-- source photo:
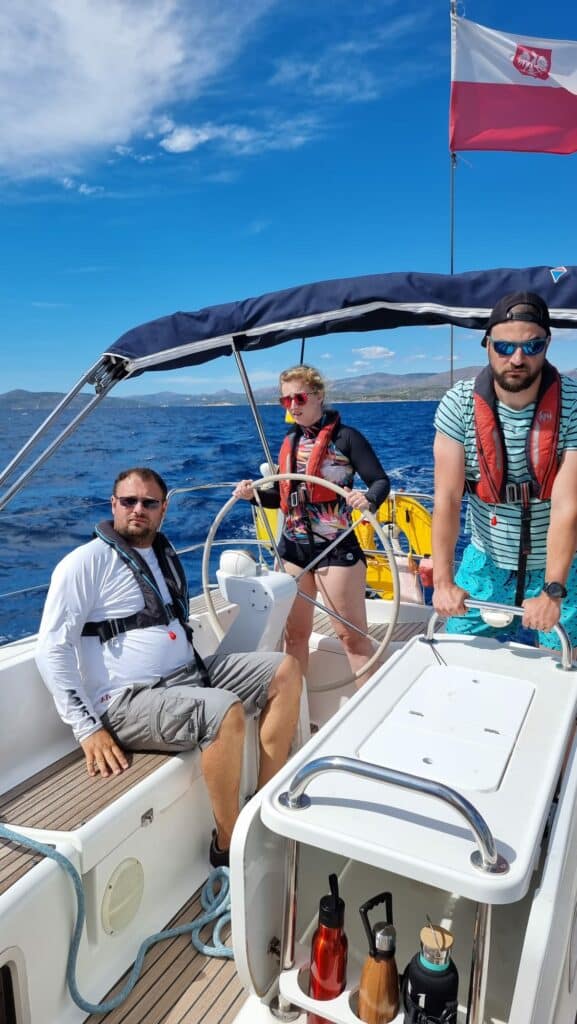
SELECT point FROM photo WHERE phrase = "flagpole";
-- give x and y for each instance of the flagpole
(452, 251)
(453, 13)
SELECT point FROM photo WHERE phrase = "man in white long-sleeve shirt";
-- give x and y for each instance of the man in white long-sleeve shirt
(115, 650)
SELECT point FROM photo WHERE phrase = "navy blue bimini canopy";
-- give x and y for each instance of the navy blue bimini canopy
(372, 303)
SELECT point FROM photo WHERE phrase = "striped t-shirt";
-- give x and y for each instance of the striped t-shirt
(495, 529)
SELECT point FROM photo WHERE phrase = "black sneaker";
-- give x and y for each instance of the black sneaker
(217, 857)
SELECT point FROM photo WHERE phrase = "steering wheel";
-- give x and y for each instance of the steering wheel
(369, 516)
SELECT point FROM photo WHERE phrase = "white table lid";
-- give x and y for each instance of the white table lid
(492, 724)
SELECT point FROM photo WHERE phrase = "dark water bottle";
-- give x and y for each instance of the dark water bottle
(329, 950)
(431, 981)
(379, 985)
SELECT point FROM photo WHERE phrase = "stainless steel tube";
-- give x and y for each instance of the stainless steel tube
(566, 652)
(486, 859)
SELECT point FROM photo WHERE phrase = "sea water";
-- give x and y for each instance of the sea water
(58, 508)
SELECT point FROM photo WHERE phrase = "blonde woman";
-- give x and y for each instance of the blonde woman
(319, 444)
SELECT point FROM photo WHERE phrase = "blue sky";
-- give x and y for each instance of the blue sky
(159, 155)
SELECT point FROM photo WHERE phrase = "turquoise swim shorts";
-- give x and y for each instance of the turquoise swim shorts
(485, 581)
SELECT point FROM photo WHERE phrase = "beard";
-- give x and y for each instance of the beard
(516, 384)
(140, 535)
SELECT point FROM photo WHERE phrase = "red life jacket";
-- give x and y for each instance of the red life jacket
(313, 493)
(540, 446)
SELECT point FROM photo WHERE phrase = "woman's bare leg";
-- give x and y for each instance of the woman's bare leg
(343, 589)
(299, 623)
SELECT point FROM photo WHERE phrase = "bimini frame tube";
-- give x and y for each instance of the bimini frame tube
(253, 406)
(104, 376)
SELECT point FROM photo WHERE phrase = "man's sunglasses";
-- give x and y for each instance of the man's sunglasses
(299, 398)
(133, 502)
(533, 347)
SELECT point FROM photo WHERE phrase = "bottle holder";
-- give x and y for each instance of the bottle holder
(294, 985)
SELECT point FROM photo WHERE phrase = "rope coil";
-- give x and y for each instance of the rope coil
(214, 898)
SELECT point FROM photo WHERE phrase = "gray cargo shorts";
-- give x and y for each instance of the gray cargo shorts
(178, 713)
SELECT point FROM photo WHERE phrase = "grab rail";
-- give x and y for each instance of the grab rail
(566, 650)
(485, 858)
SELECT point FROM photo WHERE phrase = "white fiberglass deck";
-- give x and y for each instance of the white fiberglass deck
(492, 725)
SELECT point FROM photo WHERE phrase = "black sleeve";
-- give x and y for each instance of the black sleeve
(270, 497)
(365, 462)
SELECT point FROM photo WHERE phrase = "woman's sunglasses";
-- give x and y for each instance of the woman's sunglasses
(299, 398)
(533, 347)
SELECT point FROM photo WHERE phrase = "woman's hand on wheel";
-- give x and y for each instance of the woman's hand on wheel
(357, 499)
(244, 489)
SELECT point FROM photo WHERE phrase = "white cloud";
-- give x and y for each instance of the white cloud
(326, 81)
(185, 139)
(341, 72)
(242, 140)
(374, 352)
(326, 355)
(394, 31)
(90, 190)
(79, 76)
(127, 153)
(81, 187)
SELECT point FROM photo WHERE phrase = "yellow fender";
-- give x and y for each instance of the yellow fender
(271, 515)
(408, 517)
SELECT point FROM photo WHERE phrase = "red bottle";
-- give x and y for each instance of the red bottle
(329, 950)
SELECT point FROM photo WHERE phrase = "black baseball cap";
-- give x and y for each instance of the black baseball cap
(525, 306)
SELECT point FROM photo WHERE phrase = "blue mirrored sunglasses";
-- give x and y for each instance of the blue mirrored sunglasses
(533, 347)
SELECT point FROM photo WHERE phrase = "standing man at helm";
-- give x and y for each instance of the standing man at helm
(509, 439)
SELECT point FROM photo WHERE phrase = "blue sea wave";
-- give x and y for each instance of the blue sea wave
(188, 446)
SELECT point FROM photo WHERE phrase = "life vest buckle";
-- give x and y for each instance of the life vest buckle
(519, 494)
(513, 494)
(299, 496)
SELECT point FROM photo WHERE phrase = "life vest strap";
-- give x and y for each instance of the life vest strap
(515, 493)
(524, 541)
(109, 628)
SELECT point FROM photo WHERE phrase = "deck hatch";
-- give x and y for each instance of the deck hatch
(455, 725)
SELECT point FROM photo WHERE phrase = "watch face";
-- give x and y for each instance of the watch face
(555, 590)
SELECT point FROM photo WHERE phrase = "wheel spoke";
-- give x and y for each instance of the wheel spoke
(367, 515)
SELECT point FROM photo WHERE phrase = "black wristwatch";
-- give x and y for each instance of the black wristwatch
(555, 590)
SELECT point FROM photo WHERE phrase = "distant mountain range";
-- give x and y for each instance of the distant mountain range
(371, 387)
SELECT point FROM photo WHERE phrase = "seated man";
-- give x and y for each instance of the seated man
(116, 652)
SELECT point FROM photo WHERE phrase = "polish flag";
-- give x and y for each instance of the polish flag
(511, 92)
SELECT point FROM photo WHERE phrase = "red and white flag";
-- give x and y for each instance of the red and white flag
(511, 92)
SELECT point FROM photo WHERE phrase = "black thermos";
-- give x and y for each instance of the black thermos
(431, 981)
